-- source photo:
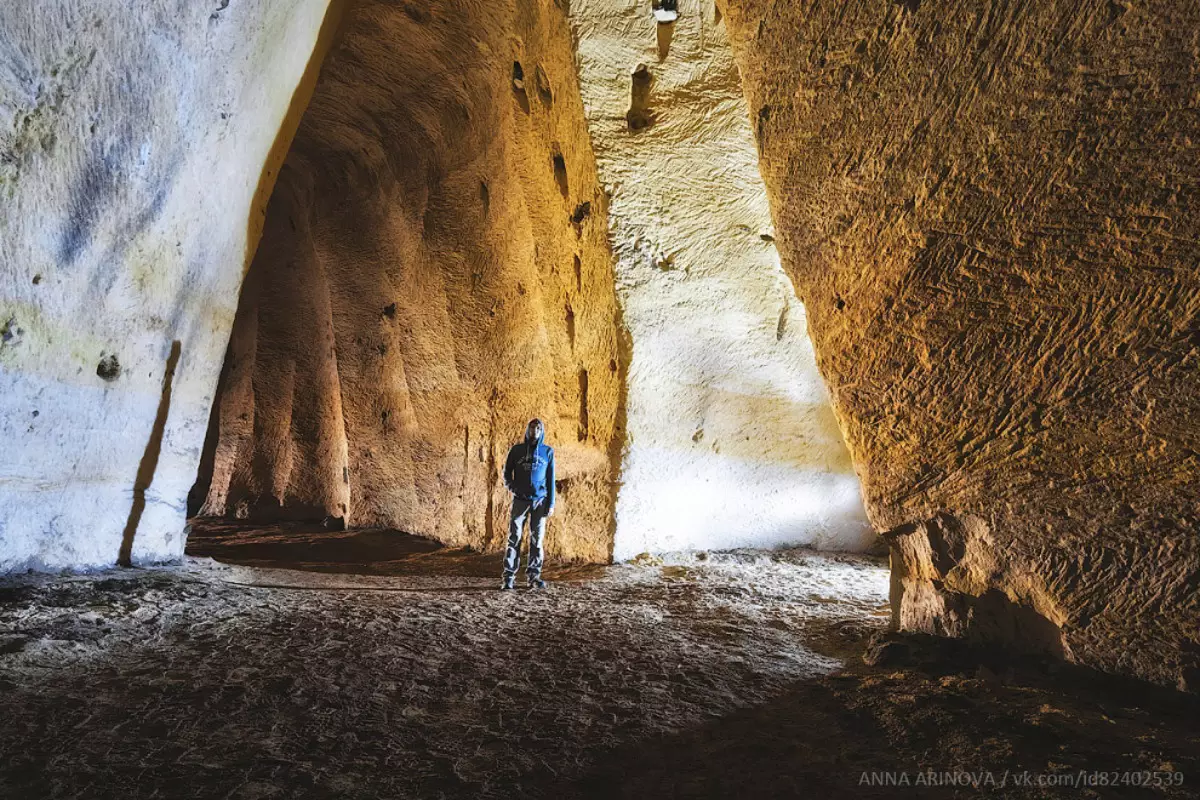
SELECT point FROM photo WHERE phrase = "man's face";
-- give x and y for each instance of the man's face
(534, 431)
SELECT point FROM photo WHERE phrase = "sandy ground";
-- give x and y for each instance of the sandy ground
(710, 675)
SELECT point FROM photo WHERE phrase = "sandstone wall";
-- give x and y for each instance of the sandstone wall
(992, 213)
(731, 438)
(435, 271)
(132, 145)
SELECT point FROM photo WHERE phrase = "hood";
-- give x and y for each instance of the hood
(540, 435)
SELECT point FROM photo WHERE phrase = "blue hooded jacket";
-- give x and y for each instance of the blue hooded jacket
(529, 470)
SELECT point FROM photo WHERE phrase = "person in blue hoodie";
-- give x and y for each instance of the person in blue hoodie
(529, 475)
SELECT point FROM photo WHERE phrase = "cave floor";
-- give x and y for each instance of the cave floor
(388, 668)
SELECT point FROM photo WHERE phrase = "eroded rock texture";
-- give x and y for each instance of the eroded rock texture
(991, 211)
(434, 272)
(732, 441)
(132, 148)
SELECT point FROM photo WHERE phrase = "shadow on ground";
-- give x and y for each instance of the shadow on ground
(950, 722)
(309, 547)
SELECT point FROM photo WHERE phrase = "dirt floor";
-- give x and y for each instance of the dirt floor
(380, 666)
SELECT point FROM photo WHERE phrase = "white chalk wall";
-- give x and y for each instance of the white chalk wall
(132, 137)
(732, 441)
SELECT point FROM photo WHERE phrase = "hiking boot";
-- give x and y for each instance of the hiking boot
(507, 585)
(537, 583)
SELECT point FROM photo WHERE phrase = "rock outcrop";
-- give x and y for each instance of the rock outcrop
(132, 153)
(435, 271)
(990, 211)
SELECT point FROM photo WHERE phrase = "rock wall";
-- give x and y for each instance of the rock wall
(434, 272)
(732, 441)
(132, 150)
(991, 211)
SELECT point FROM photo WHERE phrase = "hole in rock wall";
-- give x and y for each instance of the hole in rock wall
(518, 85)
(665, 14)
(639, 115)
(109, 367)
(543, 86)
(560, 171)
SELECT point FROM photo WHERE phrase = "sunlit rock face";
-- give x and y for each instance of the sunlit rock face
(434, 272)
(731, 437)
(990, 211)
(132, 142)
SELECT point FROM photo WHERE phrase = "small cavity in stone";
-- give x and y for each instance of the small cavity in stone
(560, 171)
(109, 367)
(543, 86)
(639, 115)
(582, 212)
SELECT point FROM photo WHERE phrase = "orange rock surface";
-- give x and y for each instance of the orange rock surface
(434, 271)
(990, 211)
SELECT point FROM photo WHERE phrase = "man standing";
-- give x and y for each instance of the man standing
(529, 475)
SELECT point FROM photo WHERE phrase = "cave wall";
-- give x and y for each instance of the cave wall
(991, 212)
(988, 210)
(132, 152)
(732, 441)
(434, 272)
